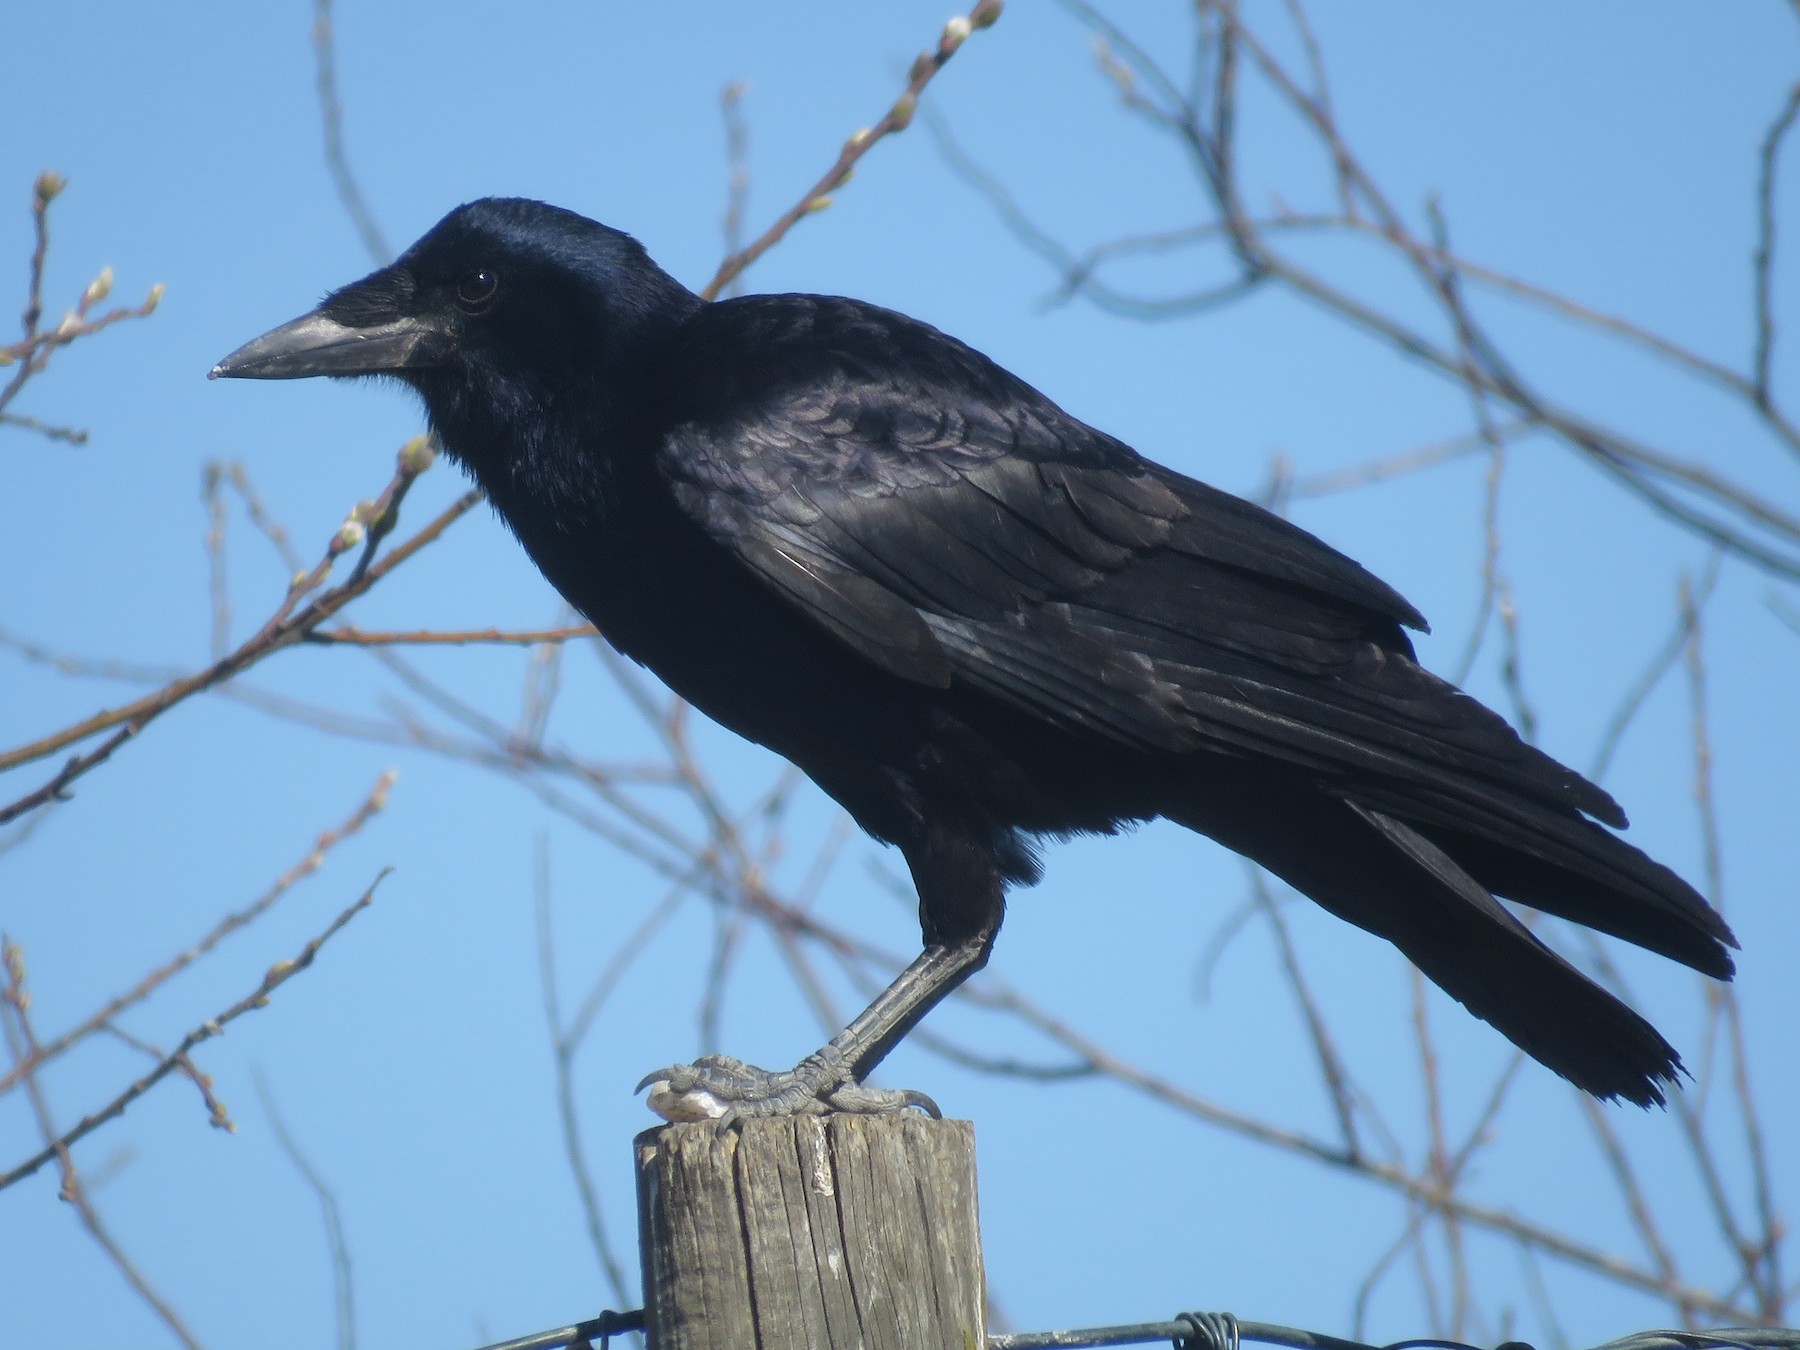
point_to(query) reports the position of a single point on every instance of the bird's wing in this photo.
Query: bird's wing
(954, 526)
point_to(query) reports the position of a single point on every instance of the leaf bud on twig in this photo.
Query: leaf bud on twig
(49, 186)
(417, 455)
(99, 288)
(152, 300)
(12, 956)
(956, 32)
(348, 536)
(902, 112)
(985, 13)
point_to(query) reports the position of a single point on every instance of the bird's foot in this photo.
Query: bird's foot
(718, 1087)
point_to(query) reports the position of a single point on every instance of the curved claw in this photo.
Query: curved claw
(717, 1087)
(652, 1077)
(922, 1102)
(856, 1098)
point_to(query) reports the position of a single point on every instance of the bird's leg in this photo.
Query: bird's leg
(829, 1079)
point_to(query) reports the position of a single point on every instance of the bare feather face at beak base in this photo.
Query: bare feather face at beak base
(314, 344)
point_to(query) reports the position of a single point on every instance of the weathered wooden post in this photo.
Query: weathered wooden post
(831, 1232)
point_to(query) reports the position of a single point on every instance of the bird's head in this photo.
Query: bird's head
(501, 291)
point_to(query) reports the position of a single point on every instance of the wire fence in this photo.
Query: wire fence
(1204, 1331)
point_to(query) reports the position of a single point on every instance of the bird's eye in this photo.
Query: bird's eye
(477, 288)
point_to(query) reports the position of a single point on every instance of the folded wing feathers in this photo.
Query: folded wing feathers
(1114, 595)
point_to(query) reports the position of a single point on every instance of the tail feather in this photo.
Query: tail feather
(1404, 883)
(1478, 952)
(1552, 859)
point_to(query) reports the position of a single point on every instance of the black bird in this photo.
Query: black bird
(978, 623)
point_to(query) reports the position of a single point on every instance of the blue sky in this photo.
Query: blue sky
(1606, 151)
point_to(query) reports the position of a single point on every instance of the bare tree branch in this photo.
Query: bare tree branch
(897, 118)
(343, 1283)
(331, 112)
(278, 974)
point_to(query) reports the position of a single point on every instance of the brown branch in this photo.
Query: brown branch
(48, 188)
(424, 637)
(1688, 1108)
(283, 630)
(278, 974)
(1512, 677)
(49, 184)
(737, 180)
(1387, 467)
(564, 1046)
(67, 435)
(32, 353)
(218, 579)
(103, 1017)
(541, 687)
(331, 113)
(1479, 1135)
(216, 1114)
(21, 1042)
(1678, 490)
(1763, 264)
(62, 662)
(1643, 1218)
(897, 118)
(1761, 1262)
(1438, 1157)
(270, 528)
(703, 866)
(342, 1277)
(1331, 1065)
(1660, 664)
(1417, 1189)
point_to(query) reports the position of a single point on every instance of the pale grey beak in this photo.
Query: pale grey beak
(316, 345)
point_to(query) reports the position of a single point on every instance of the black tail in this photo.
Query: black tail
(1401, 882)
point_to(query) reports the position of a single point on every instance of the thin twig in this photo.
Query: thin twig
(1762, 1263)
(1687, 493)
(897, 118)
(231, 923)
(218, 582)
(1331, 1064)
(1660, 664)
(1417, 1189)
(1438, 1157)
(32, 353)
(283, 630)
(278, 975)
(15, 1020)
(1762, 269)
(343, 1283)
(52, 430)
(347, 636)
(331, 113)
(270, 528)
(737, 174)
(216, 1114)
(1643, 1218)
(564, 1047)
